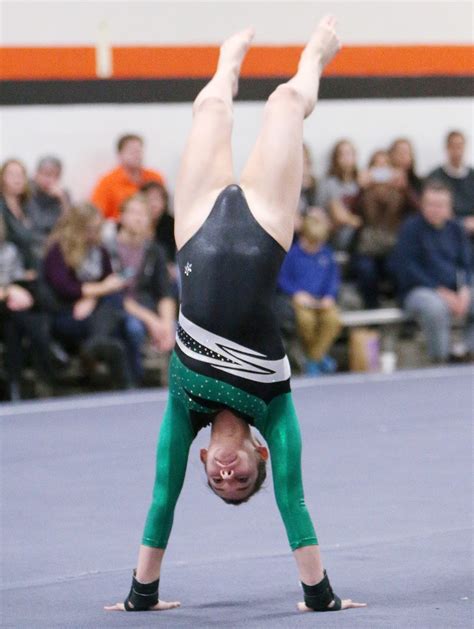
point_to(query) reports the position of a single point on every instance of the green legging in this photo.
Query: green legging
(278, 424)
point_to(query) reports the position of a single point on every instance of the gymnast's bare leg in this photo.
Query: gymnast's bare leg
(206, 166)
(272, 177)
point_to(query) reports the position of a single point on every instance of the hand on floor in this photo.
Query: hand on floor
(159, 607)
(345, 604)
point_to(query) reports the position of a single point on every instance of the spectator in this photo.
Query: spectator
(125, 180)
(310, 276)
(382, 207)
(48, 198)
(309, 188)
(19, 320)
(150, 309)
(15, 199)
(402, 159)
(163, 222)
(380, 169)
(88, 313)
(340, 193)
(432, 264)
(460, 178)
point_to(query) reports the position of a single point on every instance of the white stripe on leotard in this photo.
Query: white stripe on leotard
(245, 363)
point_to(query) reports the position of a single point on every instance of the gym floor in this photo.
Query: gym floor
(387, 463)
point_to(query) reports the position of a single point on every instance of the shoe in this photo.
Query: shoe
(59, 356)
(327, 364)
(313, 368)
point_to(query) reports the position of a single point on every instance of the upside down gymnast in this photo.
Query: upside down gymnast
(229, 367)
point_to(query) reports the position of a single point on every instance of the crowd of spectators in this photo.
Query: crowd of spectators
(98, 280)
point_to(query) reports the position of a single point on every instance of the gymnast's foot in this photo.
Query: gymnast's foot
(323, 44)
(232, 54)
(321, 48)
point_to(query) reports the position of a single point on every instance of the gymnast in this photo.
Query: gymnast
(229, 367)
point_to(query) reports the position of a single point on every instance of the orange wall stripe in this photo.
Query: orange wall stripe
(262, 61)
(47, 63)
(404, 61)
(166, 62)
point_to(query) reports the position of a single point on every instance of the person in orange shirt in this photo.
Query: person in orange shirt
(124, 181)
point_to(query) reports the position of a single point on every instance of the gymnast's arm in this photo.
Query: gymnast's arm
(176, 437)
(283, 436)
(174, 442)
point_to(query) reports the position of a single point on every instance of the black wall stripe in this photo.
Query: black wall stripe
(62, 92)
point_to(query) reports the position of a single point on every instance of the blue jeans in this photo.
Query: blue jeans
(435, 318)
(370, 271)
(135, 333)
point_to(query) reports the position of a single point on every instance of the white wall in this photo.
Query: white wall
(84, 136)
(73, 22)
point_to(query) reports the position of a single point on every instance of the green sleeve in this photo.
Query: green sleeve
(283, 436)
(176, 436)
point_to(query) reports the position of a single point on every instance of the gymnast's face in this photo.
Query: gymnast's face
(231, 464)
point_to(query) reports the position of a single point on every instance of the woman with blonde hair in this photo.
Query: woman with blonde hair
(87, 294)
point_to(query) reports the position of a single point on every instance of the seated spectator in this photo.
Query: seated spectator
(402, 159)
(456, 174)
(163, 226)
(157, 199)
(125, 180)
(310, 276)
(20, 321)
(340, 193)
(309, 189)
(380, 170)
(15, 199)
(136, 256)
(432, 264)
(382, 207)
(48, 198)
(88, 311)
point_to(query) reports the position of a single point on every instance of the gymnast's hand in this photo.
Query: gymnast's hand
(345, 604)
(159, 607)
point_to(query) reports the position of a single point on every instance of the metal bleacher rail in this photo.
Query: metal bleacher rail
(381, 316)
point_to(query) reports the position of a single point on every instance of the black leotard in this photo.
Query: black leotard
(227, 328)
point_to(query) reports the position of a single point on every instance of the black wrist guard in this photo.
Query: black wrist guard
(318, 597)
(142, 595)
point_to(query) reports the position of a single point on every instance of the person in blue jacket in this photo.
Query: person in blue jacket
(310, 276)
(432, 264)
